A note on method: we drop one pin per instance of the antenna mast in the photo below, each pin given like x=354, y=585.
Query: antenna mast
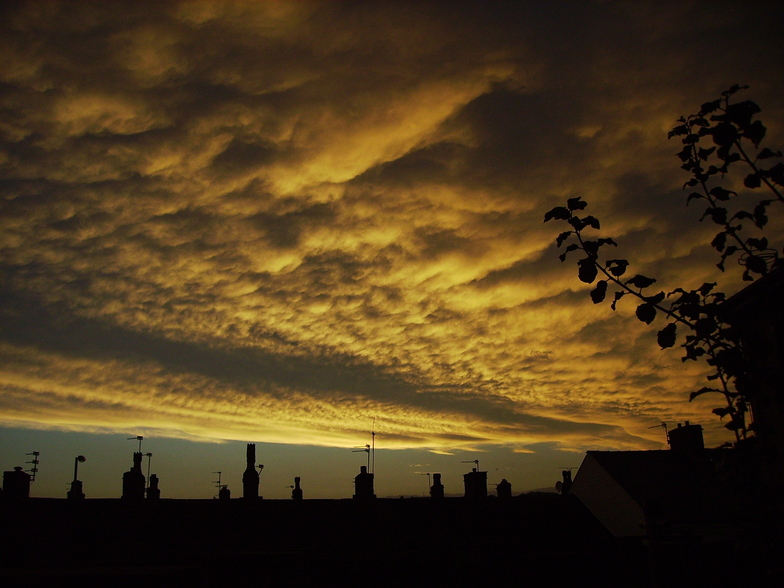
x=373, y=443
x=149, y=459
x=218, y=482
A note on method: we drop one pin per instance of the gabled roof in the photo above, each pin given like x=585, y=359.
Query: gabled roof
x=668, y=484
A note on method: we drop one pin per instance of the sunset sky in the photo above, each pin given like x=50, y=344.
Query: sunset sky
x=274, y=222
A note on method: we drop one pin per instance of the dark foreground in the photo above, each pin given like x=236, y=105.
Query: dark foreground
x=533, y=540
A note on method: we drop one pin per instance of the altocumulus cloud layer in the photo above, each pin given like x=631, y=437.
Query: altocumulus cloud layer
x=275, y=221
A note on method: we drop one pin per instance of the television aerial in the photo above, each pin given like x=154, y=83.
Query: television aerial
x=370, y=449
x=473, y=461
x=217, y=483
x=138, y=438
x=35, y=461
x=664, y=426
x=366, y=449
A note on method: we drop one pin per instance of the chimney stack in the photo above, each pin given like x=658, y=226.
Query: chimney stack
x=250, y=479
x=687, y=439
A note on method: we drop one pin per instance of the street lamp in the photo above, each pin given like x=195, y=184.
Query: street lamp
x=429, y=484
x=77, y=460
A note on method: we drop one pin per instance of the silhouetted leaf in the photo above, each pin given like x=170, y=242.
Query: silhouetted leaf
x=756, y=264
x=692, y=352
x=693, y=196
x=717, y=213
x=569, y=248
x=618, y=295
x=576, y=204
x=755, y=132
x=640, y=281
x=776, y=174
x=700, y=392
x=722, y=194
x=752, y=181
x=558, y=213
x=741, y=113
x=655, y=299
x=607, y=241
x=732, y=89
x=691, y=139
x=760, y=218
x=646, y=313
x=760, y=244
x=598, y=293
x=685, y=153
x=591, y=221
x=721, y=412
x=677, y=131
x=768, y=153
x=617, y=267
x=591, y=247
x=736, y=423
x=719, y=241
x=731, y=360
x=705, y=153
x=724, y=134
x=709, y=107
x=587, y=270
x=562, y=237
x=666, y=337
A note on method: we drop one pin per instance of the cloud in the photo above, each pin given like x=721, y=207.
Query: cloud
x=275, y=220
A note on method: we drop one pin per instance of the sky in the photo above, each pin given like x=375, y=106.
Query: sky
x=290, y=223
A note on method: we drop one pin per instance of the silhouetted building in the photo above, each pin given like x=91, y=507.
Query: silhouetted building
x=629, y=491
x=153, y=492
x=687, y=439
x=475, y=483
x=16, y=484
x=503, y=489
x=437, y=489
x=250, y=479
x=224, y=493
x=296, y=493
x=363, y=485
x=566, y=485
x=134, y=480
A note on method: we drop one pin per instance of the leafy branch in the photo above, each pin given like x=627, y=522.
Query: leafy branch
x=697, y=310
x=731, y=128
